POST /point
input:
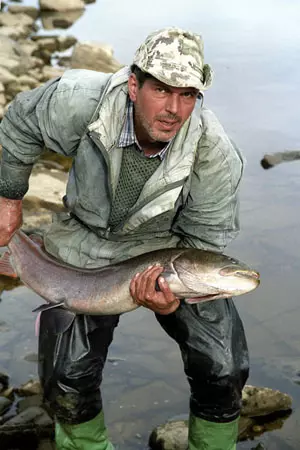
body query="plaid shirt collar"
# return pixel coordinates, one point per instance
(128, 137)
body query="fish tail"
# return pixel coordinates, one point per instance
(6, 268)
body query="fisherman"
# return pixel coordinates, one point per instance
(152, 168)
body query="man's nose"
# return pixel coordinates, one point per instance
(172, 105)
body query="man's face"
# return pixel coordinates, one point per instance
(160, 110)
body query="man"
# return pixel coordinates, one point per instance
(152, 168)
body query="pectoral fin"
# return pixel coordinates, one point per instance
(60, 318)
(47, 306)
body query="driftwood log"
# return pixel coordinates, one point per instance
(273, 159)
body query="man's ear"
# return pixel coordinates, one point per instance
(133, 87)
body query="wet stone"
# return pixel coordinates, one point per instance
(261, 401)
(32, 424)
(5, 404)
(30, 388)
(33, 400)
(31, 357)
(46, 444)
(4, 382)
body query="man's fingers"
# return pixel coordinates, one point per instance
(151, 276)
(132, 287)
(169, 310)
(143, 292)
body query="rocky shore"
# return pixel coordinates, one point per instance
(27, 422)
(28, 59)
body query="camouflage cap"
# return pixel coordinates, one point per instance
(175, 57)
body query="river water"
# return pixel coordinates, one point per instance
(253, 47)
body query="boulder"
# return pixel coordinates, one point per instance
(55, 19)
(94, 56)
(261, 401)
(31, 11)
(14, 20)
(13, 57)
(258, 403)
(61, 5)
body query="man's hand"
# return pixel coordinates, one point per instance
(10, 218)
(142, 290)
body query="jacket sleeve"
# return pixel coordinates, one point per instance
(54, 115)
(210, 216)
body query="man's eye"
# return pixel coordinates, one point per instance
(189, 94)
(160, 89)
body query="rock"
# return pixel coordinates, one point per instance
(33, 400)
(11, 65)
(32, 387)
(170, 436)
(61, 43)
(61, 5)
(31, 357)
(52, 20)
(258, 404)
(34, 421)
(14, 88)
(31, 11)
(47, 43)
(6, 76)
(173, 435)
(65, 42)
(94, 56)
(49, 72)
(36, 63)
(5, 404)
(7, 284)
(27, 80)
(261, 401)
(4, 382)
(2, 95)
(9, 393)
(46, 444)
(16, 20)
(13, 57)
(17, 32)
(2, 100)
(28, 46)
(37, 74)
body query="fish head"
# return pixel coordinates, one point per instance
(204, 275)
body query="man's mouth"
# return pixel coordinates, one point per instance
(168, 124)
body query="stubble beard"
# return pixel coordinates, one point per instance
(147, 127)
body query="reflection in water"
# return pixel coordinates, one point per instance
(253, 47)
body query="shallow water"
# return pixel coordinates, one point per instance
(253, 47)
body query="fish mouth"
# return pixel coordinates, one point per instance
(204, 298)
(242, 273)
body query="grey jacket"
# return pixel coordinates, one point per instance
(191, 200)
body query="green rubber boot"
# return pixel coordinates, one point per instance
(89, 435)
(204, 435)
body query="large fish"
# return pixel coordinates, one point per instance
(193, 275)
